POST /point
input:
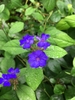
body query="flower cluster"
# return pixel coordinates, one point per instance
(37, 58)
(7, 78)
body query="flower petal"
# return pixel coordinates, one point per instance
(11, 70)
(1, 80)
(6, 83)
(6, 76)
(45, 36)
(42, 63)
(17, 70)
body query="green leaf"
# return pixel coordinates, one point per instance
(6, 63)
(59, 38)
(3, 36)
(13, 47)
(73, 71)
(15, 3)
(49, 4)
(33, 77)
(33, 1)
(61, 5)
(59, 89)
(54, 66)
(2, 7)
(25, 93)
(38, 16)
(42, 91)
(70, 20)
(62, 25)
(56, 16)
(29, 11)
(57, 97)
(5, 14)
(69, 93)
(72, 98)
(55, 52)
(74, 62)
(8, 95)
(15, 28)
(3, 39)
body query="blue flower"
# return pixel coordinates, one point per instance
(5, 80)
(27, 41)
(13, 72)
(42, 41)
(37, 59)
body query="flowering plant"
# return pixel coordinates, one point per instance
(37, 49)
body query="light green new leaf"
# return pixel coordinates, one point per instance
(2, 7)
(62, 25)
(32, 76)
(70, 20)
(55, 52)
(25, 93)
(29, 11)
(72, 98)
(59, 38)
(15, 28)
(13, 47)
(48, 4)
(74, 62)
(33, 1)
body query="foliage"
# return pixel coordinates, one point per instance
(55, 18)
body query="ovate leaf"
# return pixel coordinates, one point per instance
(13, 47)
(29, 11)
(62, 25)
(2, 7)
(4, 15)
(25, 93)
(33, 77)
(6, 64)
(48, 4)
(55, 52)
(59, 38)
(15, 28)
(70, 20)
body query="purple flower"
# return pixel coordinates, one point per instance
(27, 41)
(37, 59)
(42, 41)
(5, 80)
(13, 72)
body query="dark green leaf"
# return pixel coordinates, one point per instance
(59, 89)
